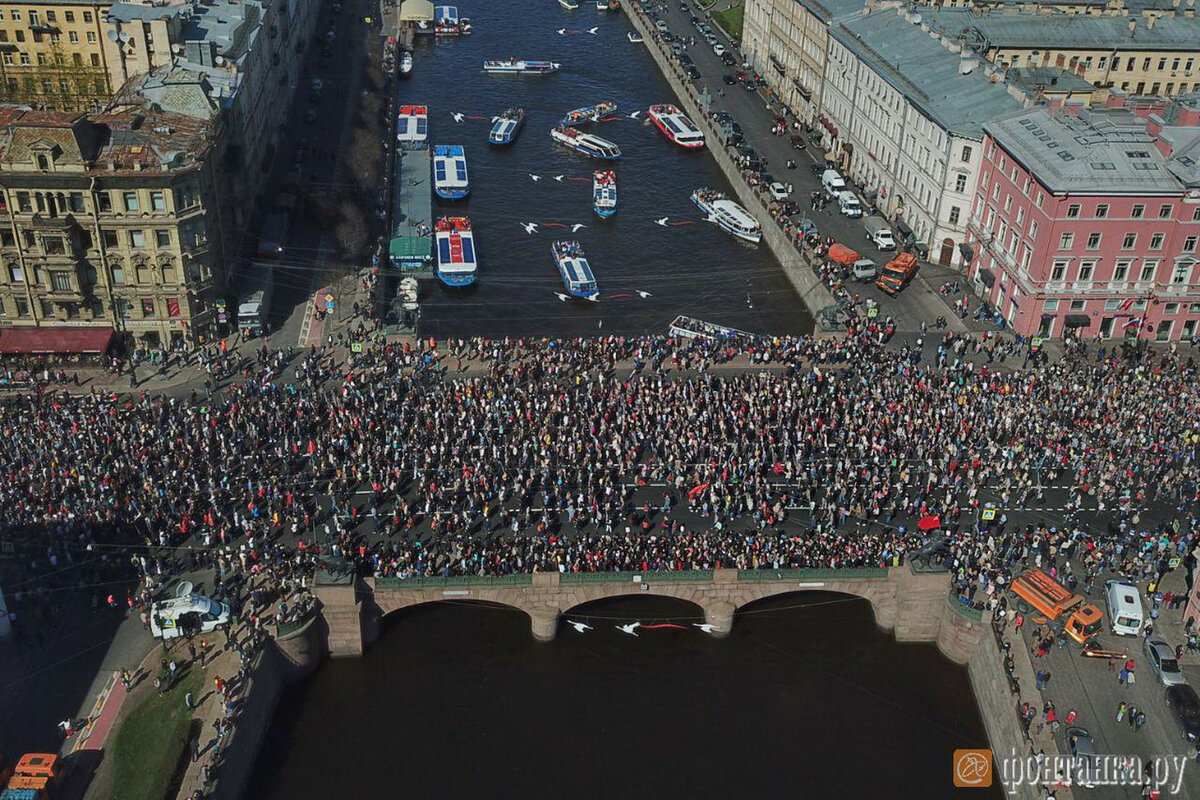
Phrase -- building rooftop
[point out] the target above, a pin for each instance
(138, 12)
(1096, 151)
(832, 10)
(1058, 31)
(928, 74)
(231, 26)
(1049, 80)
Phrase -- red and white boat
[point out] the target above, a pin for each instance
(676, 127)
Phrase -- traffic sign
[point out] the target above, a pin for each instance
(988, 514)
(356, 347)
(1036, 343)
(220, 303)
(872, 312)
(1174, 562)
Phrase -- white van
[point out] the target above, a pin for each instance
(1125, 617)
(849, 205)
(832, 182)
(186, 615)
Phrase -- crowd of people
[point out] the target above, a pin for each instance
(492, 457)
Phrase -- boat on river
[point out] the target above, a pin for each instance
(456, 264)
(507, 126)
(634, 37)
(445, 21)
(450, 172)
(569, 5)
(581, 116)
(604, 193)
(727, 214)
(406, 64)
(586, 143)
(515, 66)
(573, 266)
(412, 126)
(676, 126)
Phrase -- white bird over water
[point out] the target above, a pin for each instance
(562, 31)
(662, 221)
(630, 628)
(559, 178)
(530, 227)
(579, 627)
(635, 114)
(643, 294)
(706, 627)
(575, 228)
(593, 298)
(592, 31)
(458, 116)
(562, 296)
(535, 177)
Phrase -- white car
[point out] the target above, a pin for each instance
(778, 191)
(719, 49)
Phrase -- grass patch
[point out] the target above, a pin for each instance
(147, 746)
(706, 4)
(731, 20)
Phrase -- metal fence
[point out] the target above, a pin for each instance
(811, 574)
(962, 609)
(453, 581)
(663, 576)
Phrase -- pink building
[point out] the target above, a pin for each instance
(1086, 220)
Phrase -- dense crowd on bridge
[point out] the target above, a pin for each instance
(494, 457)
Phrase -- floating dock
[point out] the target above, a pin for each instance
(411, 248)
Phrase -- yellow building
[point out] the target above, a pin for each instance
(53, 53)
(105, 225)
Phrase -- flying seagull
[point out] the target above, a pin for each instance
(458, 116)
(630, 628)
(642, 294)
(559, 178)
(530, 227)
(535, 177)
(662, 221)
(579, 627)
(706, 627)
(561, 296)
(562, 31)
(575, 228)
(635, 114)
(592, 31)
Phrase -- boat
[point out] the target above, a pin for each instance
(515, 66)
(406, 64)
(685, 327)
(676, 127)
(604, 193)
(573, 266)
(588, 113)
(507, 126)
(450, 172)
(585, 143)
(727, 214)
(445, 21)
(456, 264)
(389, 55)
(634, 37)
(412, 126)
(602, 5)
(613, 5)
(464, 26)
(569, 5)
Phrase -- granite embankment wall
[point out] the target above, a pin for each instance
(808, 286)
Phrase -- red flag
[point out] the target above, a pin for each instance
(312, 447)
(929, 523)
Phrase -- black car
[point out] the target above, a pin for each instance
(817, 169)
(722, 116)
(693, 73)
(751, 85)
(1185, 707)
(686, 60)
(727, 59)
(729, 79)
(667, 37)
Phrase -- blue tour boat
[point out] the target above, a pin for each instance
(507, 126)
(604, 193)
(456, 265)
(576, 273)
(450, 172)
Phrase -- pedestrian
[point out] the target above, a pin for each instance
(1071, 716)
(1040, 679)
(1139, 721)
(219, 683)
(1121, 708)
(1133, 712)
(189, 701)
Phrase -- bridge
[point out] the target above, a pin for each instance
(914, 605)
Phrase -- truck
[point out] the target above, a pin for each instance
(1037, 591)
(897, 273)
(273, 236)
(848, 204)
(879, 232)
(37, 776)
(254, 301)
(187, 614)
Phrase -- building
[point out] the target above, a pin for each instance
(1154, 52)
(786, 41)
(52, 53)
(106, 225)
(1087, 220)
(140, 37)
(902, 114)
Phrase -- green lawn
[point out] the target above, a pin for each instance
(731, 20)
(148, 743)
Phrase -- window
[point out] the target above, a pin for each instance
(137, 238)
(97, 308)
(1058, 271)
(24, 203)
(954, 214)
(1039, 199)
(69, 16)
(1182, 271)
(103, 202)
(147, 307)
(1189, 244)
(131, 202)
(1164, 211)
(1156, 241)
(960, 183)
(1093, 241)
(33, 19)
(124, 308)
(1073, 210)
(87, 16)
(1137, 211)
(1171, 308)
(1196, 215)
(158, 201)
(95, 56)
(118, 275)
(1078, 305)
(1121, 270)
(1086, 268)
(16, 274)
(1032, 229)
(109, 238)
(966, 152)
(76, 202)
(1050, 305)
(173, 307)
(22, 306)
(60, 281)
(1066, 241)
(162, 237)
(1148, 270)
(1102, 211)
(16, 15)
(1129, 242)
(53, 245)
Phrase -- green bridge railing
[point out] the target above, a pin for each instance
(810, 574)
(453, 581)
(662, 576)
(962, 609)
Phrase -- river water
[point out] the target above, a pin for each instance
(687, 266)
(806, 698)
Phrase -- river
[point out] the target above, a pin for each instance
(806, 698)
(647, 272)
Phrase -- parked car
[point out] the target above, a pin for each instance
(778, 191)
(692, 72)
(729, 79)
(817, 169)
(1083, 750)
(662, 26)
(1185, 707)
(1162, 661)
(719, 49)
(751, 85)
(667, 37)
(722, 117)
(727, 59)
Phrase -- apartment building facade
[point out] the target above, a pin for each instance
(105, 225)
(1087, 221)
(52, 53)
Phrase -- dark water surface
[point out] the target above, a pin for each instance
(692, 268)
(806, 698)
